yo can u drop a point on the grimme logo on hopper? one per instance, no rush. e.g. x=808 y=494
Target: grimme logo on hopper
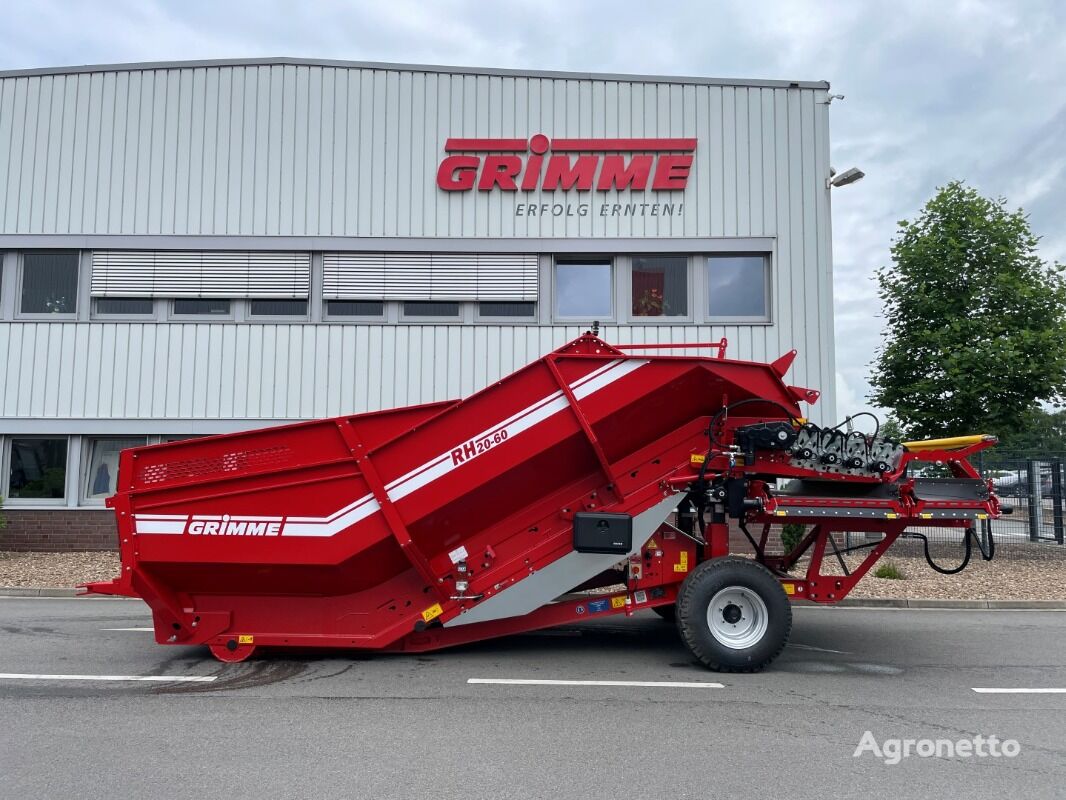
x=512 y=165
x=227 y=526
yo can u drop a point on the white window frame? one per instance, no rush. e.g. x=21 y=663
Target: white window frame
x=690 y=284
x=461 y=318
x=532 y=319
x=95 y=316
x=32 y=502
x=381 y=319
x=174 y=316
x=20 y=273
x=86 y=464
x=704 y=298
x=293 y=318
x=612 y=261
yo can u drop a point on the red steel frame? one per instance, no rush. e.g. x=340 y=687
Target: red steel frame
x=207 y=590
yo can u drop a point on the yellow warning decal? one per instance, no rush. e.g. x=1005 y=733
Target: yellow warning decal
x=790 y=588
x=697 y=458
x=619 y=601
x=781 y=513
x=982 y=516
x=245 y=639
x=891 y=515
x=432 y=612
x=926 y=516
x=682 y=565
x=651 y=544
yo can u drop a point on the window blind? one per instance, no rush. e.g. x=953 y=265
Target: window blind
x=430 y=276
x=225 y=273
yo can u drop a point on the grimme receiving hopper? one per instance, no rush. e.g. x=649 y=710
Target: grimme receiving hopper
x=517 y=508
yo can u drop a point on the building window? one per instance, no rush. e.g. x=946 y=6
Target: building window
x=202 y=307
x=103 y=465
x=583 y=290
x=659 y=286
x=49 y=283
x=738 y=287
x=355 y=308
x=123 y=306
x=507 y=310
x=278 y=308
x=38 y=469
x=442 y=310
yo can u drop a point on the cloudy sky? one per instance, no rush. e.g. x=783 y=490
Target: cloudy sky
x=934 y=90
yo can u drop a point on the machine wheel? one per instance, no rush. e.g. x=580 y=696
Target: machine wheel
x=231 y=652
x=668 y=613
x=733 y=615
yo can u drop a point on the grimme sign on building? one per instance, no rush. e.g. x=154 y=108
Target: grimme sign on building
x=191 y=248
x=542 y=164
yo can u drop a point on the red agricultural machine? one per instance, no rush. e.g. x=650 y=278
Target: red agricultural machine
x=598 y=480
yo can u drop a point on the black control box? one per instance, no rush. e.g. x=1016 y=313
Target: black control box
x=603 y=533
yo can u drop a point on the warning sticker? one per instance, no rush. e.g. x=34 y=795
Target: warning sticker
x=697 y=458
x=245 y=639
x=682 y=564
x=619 y=601
x=640 y=597
x=651 y=545
x=790 y=588
x=432 y=612
x=458 y=554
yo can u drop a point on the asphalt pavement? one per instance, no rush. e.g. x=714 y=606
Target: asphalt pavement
x=350 y=725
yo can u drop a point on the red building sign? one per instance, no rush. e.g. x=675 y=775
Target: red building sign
x=584 y=165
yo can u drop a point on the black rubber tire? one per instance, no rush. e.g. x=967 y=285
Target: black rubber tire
x=668 y=613
x=704 y=583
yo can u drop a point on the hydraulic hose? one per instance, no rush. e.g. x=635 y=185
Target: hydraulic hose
x=971 y=534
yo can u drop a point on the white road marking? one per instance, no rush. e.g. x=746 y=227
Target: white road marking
x=816 y=649
x=156 y=678
x=128 y=629
x=1003 y=690
x=547 y=682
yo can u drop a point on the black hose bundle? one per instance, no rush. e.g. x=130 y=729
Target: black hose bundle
x=968 y=539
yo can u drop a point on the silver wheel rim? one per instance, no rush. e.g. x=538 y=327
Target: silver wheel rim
x=737 y=617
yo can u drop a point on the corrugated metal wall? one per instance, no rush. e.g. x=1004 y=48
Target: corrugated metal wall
x=320 y=151
x=212 y=371
x=326 y=151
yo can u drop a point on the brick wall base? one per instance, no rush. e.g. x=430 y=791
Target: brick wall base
x=58 y=530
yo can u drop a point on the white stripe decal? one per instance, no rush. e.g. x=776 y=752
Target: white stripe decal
x=420 y=476
x=151 y=526
x=331 y=527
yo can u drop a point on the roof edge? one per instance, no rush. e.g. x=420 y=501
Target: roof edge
x=377 y=65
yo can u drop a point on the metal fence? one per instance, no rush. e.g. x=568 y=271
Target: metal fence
x=1033 y=486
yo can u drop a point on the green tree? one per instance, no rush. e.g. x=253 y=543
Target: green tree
x=975 y=321
x=1038 y=431
x=890 y=429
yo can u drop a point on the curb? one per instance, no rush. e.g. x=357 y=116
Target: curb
x=849 y=602
x=987 y=605
x=52 y=591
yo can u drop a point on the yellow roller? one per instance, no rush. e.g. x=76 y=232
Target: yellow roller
x=951 y=443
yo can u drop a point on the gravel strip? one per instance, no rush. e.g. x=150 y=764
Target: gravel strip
x=1018 y=572
x=1036 y=574
x=56 y=569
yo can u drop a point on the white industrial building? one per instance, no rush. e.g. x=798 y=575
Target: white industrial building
x=197 y=247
